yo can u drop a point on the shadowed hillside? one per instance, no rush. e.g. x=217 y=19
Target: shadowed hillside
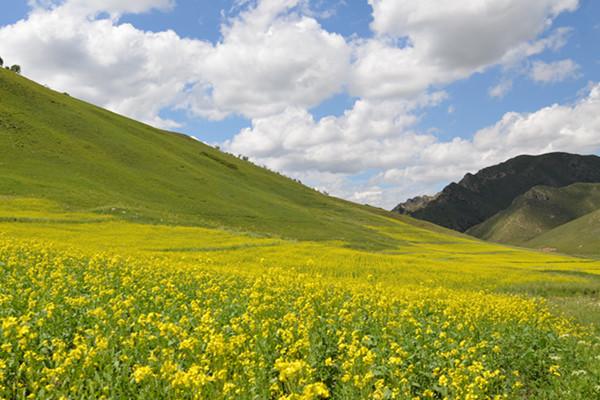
x=478 y=197
x=538 y=211
x=579 y=237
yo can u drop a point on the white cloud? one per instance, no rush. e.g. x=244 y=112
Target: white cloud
x=557 y=71
x=571 y=128
x=258 y=68
x=469 y=34
x=427 y=43
x=558 y=127
x=383 y=71
x=271 y=58
x=373 y=134
x=501 y=89
x=329 y=152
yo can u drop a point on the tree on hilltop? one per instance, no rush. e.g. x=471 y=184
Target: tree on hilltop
x=16 y=68
x=1 y=62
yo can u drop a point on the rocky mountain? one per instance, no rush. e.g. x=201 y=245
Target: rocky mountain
x=479 y=196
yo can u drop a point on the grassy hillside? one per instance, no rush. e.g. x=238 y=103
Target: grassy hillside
x=579 y=237
x=88 y=159
x=538 y=211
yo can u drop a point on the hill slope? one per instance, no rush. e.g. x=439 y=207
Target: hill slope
x=88 y=159
x=478 y=197
x=537 y=211
x=579 y=237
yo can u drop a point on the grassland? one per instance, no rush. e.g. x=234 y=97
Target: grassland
x=90 y=160
x=532 y=217
x=580 y=237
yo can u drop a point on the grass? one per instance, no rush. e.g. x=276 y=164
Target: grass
x=580 y=237
x=533 y=215
x=90 y=160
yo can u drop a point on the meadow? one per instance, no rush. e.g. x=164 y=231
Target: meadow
x=93 y=306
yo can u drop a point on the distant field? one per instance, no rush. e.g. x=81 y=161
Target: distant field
x=101 y=307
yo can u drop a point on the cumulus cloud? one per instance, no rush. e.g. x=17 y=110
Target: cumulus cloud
x=275 y=61
x=259 y=68
x=420 y=44
x=373 y=134
x=557 y=71
x=113 y=7
x=328 y=152
x=468 y=35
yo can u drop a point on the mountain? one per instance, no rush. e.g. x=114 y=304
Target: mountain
x=478 y=197
x=578 y=237
x=87 y=159
x=537 y=211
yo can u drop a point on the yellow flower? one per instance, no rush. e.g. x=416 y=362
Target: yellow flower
x=141 y=373
x=443 y=380
x=315 y=391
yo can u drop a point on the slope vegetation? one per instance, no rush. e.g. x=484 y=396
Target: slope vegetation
x=88 y=159
x=578 y=237
x=538 y=211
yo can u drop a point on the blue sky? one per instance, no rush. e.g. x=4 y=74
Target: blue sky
x=372 y=101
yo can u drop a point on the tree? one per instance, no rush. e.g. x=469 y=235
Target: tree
x=1 y=62
x=16 y=68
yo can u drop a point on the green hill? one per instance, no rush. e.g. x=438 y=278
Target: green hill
x=579 y=237
x=538 y=211
x=87 y=159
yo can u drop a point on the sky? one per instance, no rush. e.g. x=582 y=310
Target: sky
x=374 y=101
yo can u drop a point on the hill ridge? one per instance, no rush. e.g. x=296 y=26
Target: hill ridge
x=477 y=197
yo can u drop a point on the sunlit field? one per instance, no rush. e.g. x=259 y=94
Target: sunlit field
x=96 y=307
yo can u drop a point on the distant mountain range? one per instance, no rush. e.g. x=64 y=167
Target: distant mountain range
x=521 y=201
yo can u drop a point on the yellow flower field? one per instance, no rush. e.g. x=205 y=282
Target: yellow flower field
x=110 y=309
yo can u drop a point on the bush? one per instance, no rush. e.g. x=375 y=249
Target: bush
x=16 y=68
